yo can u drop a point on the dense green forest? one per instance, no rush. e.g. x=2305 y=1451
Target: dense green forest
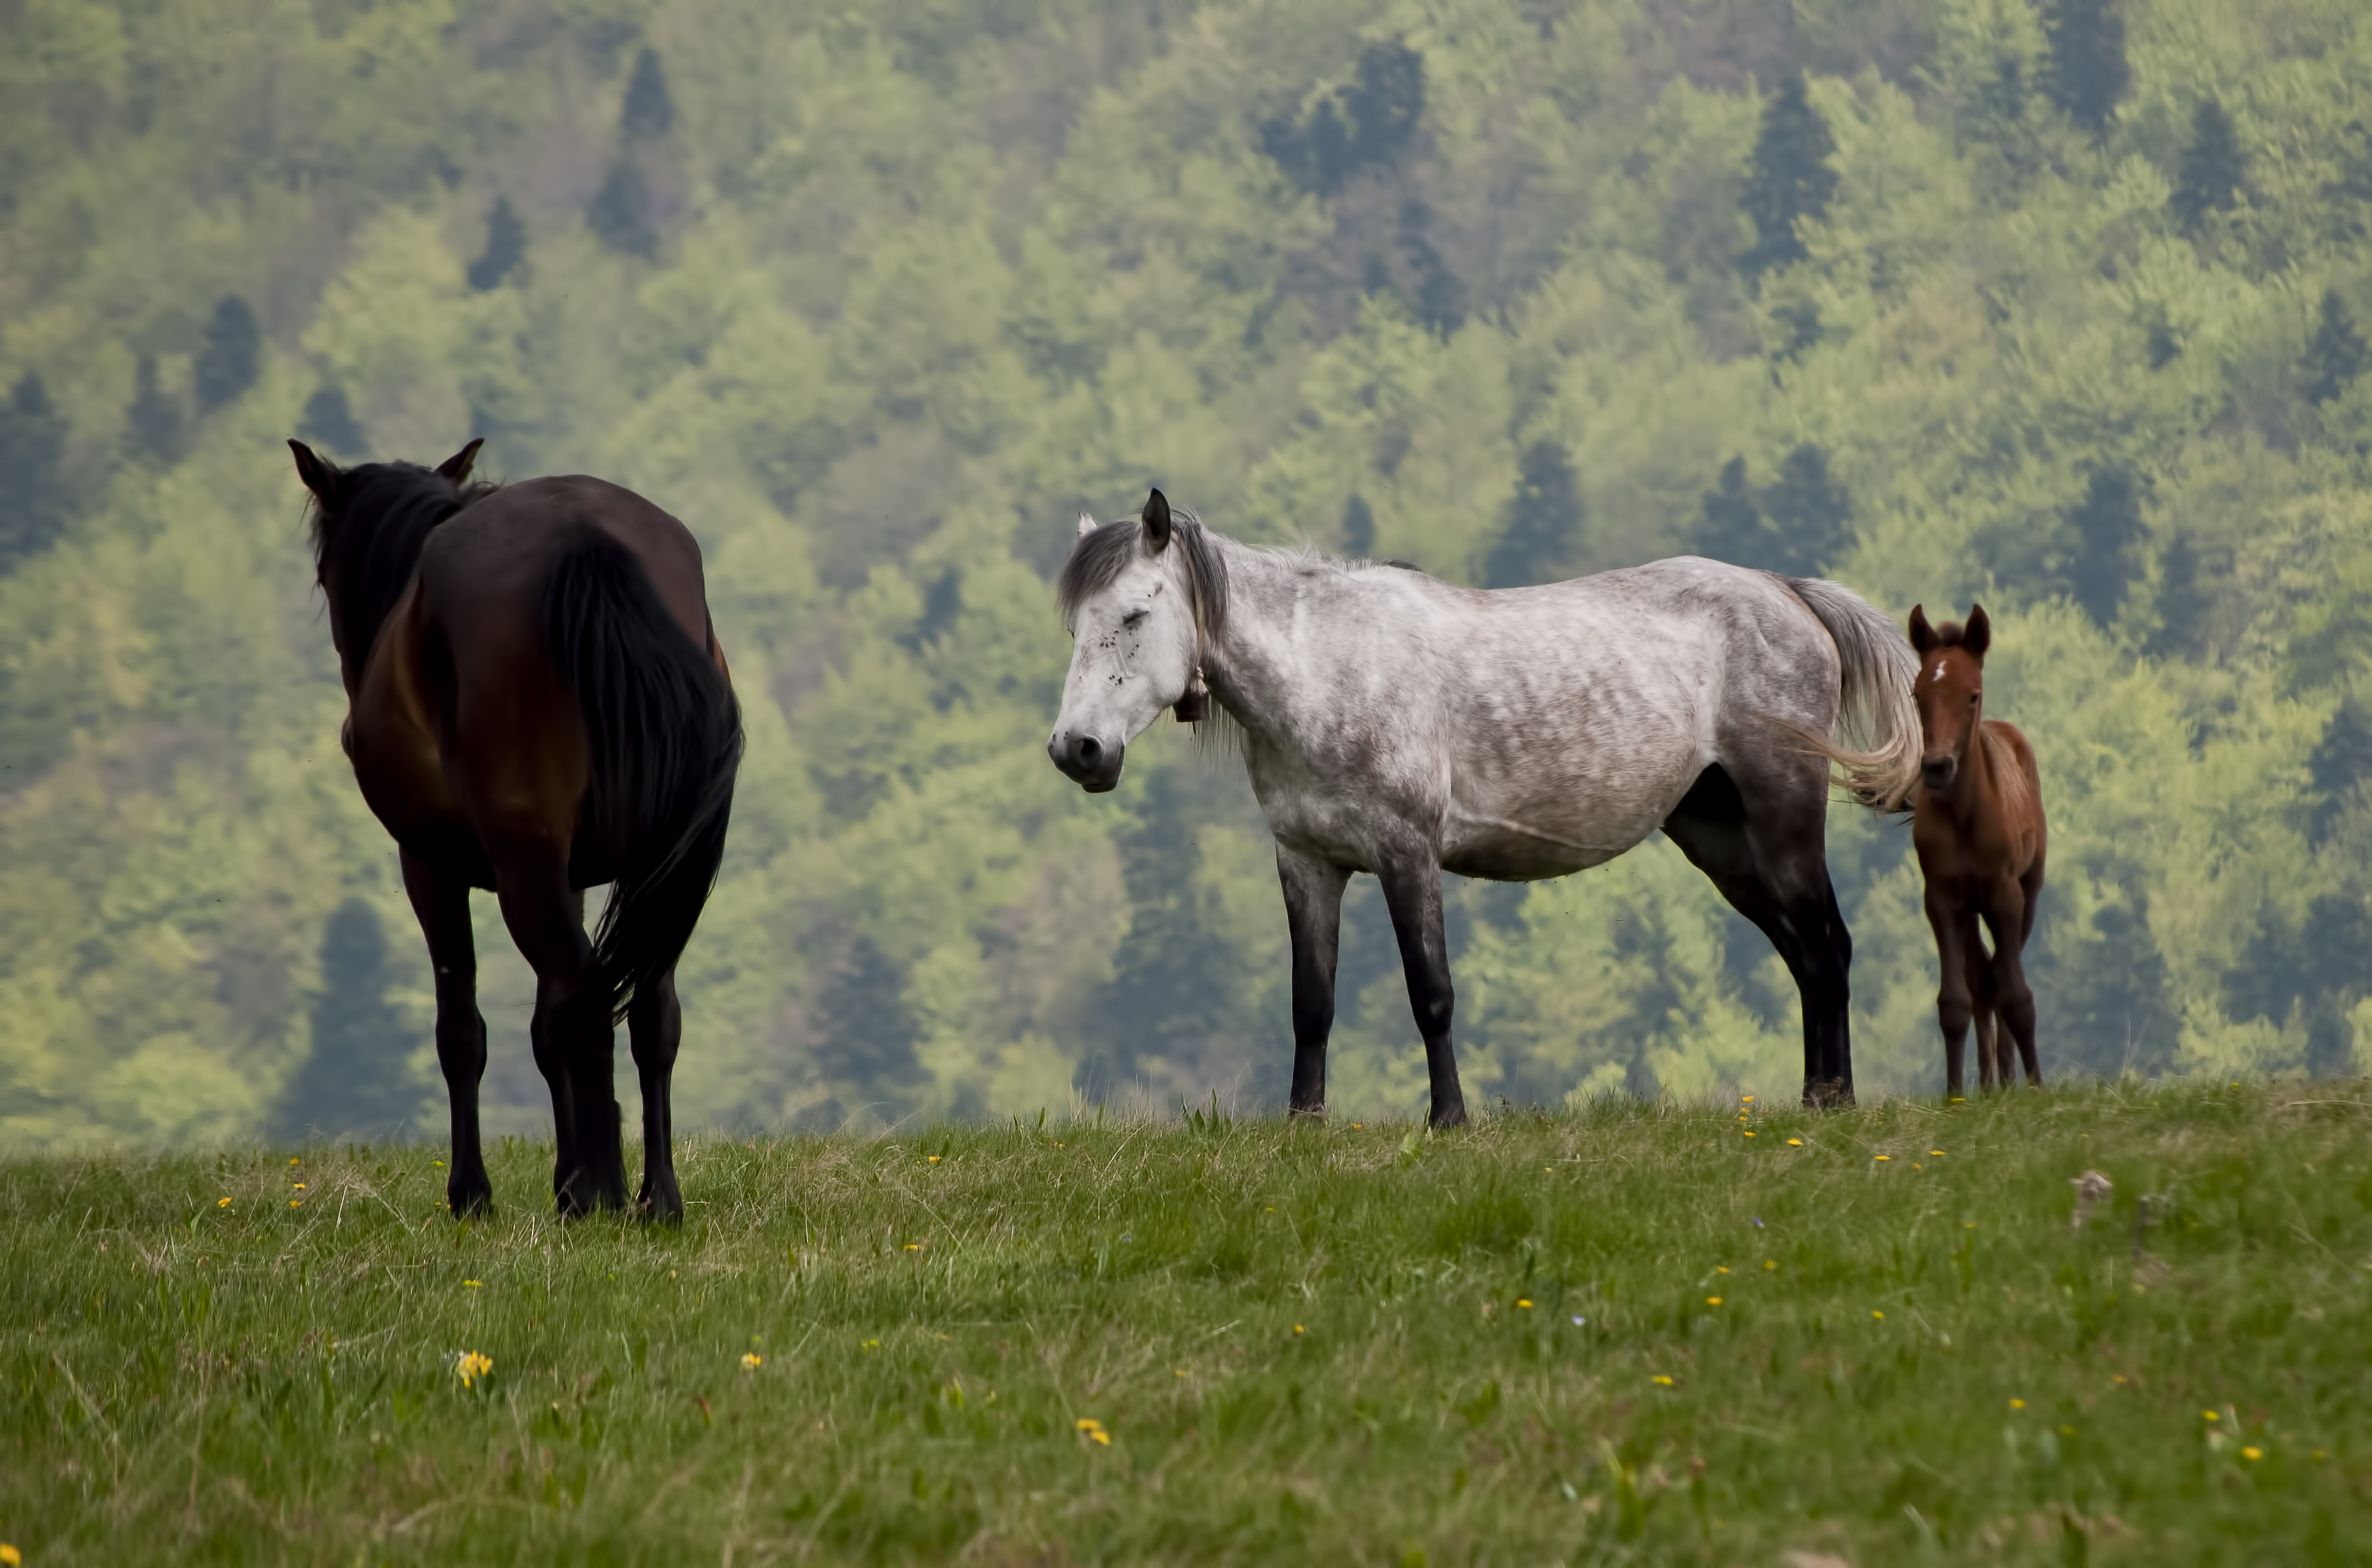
x=2056 y=304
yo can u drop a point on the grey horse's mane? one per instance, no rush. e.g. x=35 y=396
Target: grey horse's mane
x=1097 y=559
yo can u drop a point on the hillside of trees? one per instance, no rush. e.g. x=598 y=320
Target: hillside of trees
x=2058 y=304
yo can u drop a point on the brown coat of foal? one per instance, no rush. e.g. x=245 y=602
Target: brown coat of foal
x=1977 y=824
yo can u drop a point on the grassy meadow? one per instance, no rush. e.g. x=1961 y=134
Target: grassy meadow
x=1640 y=1333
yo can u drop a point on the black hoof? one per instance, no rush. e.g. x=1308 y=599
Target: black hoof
x=1446 y=1117
x=470 y=1202
x=1306 y=1112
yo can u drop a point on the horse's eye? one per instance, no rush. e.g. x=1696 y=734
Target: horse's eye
x=1133 y=616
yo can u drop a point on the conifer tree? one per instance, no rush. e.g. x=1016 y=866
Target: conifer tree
x=1810 y=513
x=33 y=497
x=2107 y=524
x=1731 y=527
x=1790 y=179
x=231 y=356
x=2213 y=173
x=620 y=213
x=155 y=417
x=1542 y=533
x=505 y=247
x=359 y=1078
x=2089 y=70
x=649 y=109
x=1358 y=528
x=867 y=1030
x=328 y=422
x=2336 y=356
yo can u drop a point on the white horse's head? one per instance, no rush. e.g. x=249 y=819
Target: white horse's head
x=1138 y=598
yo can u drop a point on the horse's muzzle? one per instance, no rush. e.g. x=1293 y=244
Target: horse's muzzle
x=1937 y=773
x=1087 y=761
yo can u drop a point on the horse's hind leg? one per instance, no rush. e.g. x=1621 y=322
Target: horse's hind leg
x=442 y=904
x=1412 y=882
x=1993 y=1070
x=2012 y=995
x=655 y=1022
x=1313 y=913
x=1763 y=846
x=1955 y=999
x=573 y=1040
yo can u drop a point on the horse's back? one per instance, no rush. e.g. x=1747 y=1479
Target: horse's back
x=494 y=556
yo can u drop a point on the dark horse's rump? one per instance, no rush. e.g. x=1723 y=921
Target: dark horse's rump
x=537 y=704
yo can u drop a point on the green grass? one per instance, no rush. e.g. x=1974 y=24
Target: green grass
x=1340 y=1343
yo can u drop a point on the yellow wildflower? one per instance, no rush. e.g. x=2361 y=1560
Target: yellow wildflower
x=1795 y=1143
x=222 y=1202
x=2018 y=1404
x=470 y=1367
x=10 y=1555
x=1876 y=1314
x=1883 y=1158
x=1525 y=1301
x=2252 y=1453
x=473 y=1284
x=1712 y=1301
x=2211 y=1415
x=296 y=1202
x=1661 y=1380
x=752 y=1361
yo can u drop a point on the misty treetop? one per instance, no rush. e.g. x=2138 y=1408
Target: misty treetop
x=2055 y=305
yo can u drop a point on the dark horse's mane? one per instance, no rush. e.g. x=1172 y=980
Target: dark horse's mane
x=1097 y=560
x=371 y=543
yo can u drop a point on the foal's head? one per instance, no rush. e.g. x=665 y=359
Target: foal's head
x=1139 y=599
x=1949 y=691
x=369 y=524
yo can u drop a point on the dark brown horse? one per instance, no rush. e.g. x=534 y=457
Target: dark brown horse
x=536 y=704
x=1977 y=824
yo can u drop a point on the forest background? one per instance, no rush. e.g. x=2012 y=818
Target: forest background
x=2053 y=304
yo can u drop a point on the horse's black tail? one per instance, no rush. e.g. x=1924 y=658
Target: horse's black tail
x=664 y=736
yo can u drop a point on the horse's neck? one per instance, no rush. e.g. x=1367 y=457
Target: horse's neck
x=1250 y=662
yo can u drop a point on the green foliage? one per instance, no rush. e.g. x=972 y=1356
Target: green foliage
x=505 y=247
x=359 y=1077
x=226 y=364
x=2213 y=173
x=1540 y=541
x=882 y=299
x=1790 y=183
x=2089 y=73
x=33 y=499
x=1620 y=1333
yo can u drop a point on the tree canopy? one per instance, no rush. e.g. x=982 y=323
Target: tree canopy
x=2050 y=305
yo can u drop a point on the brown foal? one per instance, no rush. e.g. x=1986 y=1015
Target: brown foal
x=1977 y=824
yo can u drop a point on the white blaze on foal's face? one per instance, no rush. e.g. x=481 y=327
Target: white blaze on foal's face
x=1132 y=650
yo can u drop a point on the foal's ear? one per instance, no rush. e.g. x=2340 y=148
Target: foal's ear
x=320 y=477
x=1978 y=634
x=1923 y=636
x=457 y=467
x=1088 y=525
x=1156 y=523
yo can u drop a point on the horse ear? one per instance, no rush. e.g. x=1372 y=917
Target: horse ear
x=457 y=467
x=1978 y=634
x=1088 y=525
x=320 y=477
x=1923 y=636
x=1156 y=523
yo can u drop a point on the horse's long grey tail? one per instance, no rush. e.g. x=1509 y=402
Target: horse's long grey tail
x=1875 y=751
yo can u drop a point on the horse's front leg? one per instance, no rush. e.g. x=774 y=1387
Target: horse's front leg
x=2007 y=918
x=1411 y=880
x=1954 y=1004
x=1313 y=914
x=655 y=1023
x=442 y=904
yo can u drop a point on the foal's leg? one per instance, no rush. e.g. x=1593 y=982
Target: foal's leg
x=1412 y=882
x=2007 y=918
x=1955 y=1004
x=442 y=904
x=1764 y=848
x=1992 y=1072
x=655 y=1023
x=574 y=1040
x=1313 y=913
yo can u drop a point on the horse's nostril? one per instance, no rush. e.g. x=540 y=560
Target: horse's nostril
x=1090 y=750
